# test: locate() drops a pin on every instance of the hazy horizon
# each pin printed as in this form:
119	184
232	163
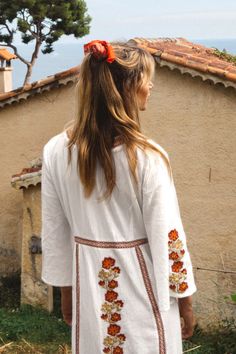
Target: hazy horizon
62	59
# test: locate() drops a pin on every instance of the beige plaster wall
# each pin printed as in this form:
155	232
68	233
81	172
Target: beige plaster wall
195	122
33	290
24	129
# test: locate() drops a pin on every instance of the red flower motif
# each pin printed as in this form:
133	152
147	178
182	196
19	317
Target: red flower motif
108	262
182	287
182	252
121	337
116	269
113	329
111	314
113	284
173	235
176	266
174	256
115	317
184	271
111	295
172	287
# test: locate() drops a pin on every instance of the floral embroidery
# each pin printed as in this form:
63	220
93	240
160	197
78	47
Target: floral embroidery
176	252
112	307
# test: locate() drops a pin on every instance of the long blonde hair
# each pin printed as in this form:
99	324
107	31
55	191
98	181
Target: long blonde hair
108	108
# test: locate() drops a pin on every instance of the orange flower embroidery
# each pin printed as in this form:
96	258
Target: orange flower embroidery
119	303
173	235
182	287
174	256
177	266
111	307
113	329
118	350
113	284
111	295
107	263
116	269
115	317
176	252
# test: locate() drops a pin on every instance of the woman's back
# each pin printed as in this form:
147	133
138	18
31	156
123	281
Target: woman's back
90	217
111	225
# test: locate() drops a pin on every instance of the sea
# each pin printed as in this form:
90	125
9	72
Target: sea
68	55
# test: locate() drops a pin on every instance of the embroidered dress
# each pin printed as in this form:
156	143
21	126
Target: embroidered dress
126	257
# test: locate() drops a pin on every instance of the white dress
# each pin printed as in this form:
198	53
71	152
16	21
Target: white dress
126	257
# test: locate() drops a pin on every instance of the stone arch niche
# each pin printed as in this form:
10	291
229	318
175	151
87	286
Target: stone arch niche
33	290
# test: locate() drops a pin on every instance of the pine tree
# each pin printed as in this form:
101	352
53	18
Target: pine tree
42	22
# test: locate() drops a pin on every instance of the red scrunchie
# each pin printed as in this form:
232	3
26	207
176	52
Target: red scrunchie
100	50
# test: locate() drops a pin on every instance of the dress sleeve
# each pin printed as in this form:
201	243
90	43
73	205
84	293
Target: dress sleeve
172	263
56	233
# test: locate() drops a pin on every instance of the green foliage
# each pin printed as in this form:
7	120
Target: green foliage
223	54
43	20
214	341
233	297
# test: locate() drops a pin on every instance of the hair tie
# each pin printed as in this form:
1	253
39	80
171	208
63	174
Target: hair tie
100	50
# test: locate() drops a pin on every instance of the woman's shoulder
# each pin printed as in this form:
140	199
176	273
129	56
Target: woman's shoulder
153	153
55	145
154	161
54	141
159	150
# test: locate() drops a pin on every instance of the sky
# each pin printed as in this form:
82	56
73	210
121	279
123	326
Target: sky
191	19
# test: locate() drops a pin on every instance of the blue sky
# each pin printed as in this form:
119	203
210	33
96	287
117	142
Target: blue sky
192	19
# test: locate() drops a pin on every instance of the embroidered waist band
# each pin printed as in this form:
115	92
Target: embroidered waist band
111	244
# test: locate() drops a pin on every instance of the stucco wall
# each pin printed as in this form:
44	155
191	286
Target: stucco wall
195	122
33	290
24	129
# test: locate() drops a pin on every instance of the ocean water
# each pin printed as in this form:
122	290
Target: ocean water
65	56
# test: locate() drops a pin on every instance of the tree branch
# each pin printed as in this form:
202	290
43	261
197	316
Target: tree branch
8	29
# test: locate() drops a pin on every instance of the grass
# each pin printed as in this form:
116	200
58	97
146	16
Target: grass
27	329
215	341
32	324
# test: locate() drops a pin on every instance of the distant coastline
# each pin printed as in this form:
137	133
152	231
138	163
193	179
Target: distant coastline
68	55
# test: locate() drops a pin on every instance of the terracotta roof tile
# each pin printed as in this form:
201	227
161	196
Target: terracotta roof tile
61	78
6	55
27	170
176	51
28	176
190	55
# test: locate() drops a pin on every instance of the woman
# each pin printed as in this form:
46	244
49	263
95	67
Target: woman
112	234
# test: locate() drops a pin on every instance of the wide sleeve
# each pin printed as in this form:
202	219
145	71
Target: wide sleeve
55	234
171	259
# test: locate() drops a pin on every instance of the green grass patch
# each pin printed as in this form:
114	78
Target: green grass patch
33	330
220	340
27	329
32	324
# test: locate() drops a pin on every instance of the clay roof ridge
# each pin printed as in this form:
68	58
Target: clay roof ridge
196	58
6	55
